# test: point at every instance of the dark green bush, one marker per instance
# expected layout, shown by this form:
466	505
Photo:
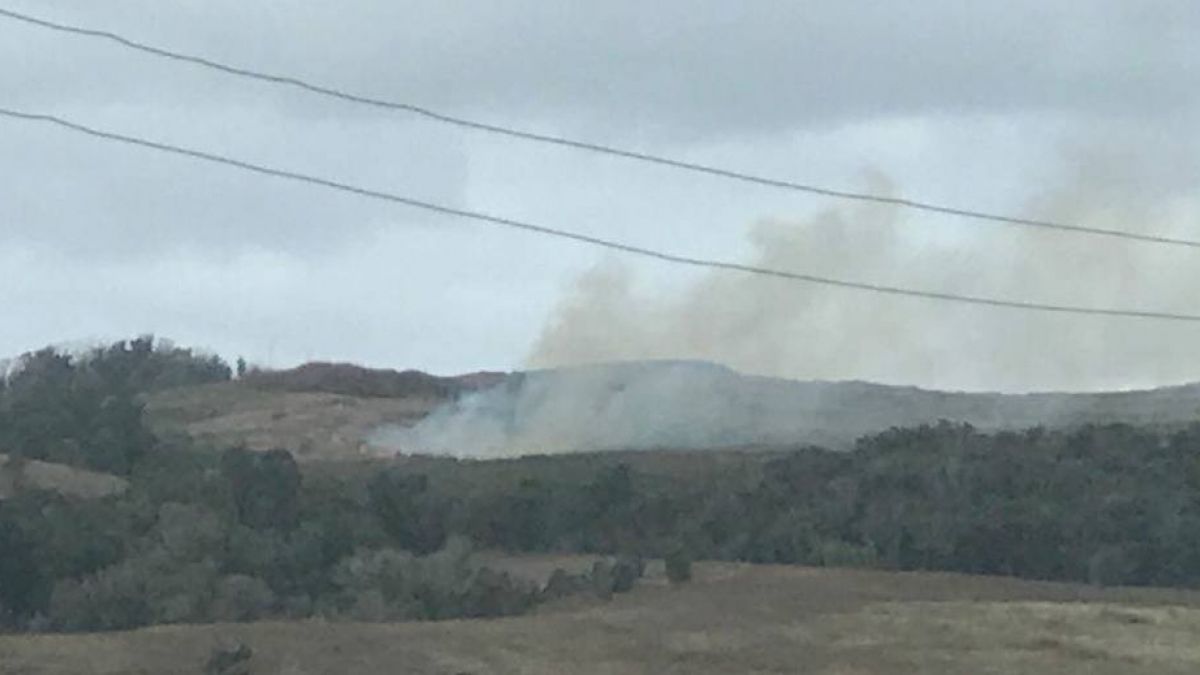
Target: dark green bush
679	565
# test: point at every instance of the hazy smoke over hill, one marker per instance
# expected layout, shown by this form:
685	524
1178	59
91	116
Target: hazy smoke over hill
670	404
681	404
803	332
775	327
591	408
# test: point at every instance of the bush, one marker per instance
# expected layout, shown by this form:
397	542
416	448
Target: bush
626	571
493	593
231	660
146	589
394	585
843	554
602	579
563	584
679	565
1110	565
241	598
188	532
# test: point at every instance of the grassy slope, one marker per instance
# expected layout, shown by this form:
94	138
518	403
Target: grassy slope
57	477
313	425
732	619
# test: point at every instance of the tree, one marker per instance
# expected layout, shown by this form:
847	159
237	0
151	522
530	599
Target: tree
626	571
679	565
522	521
406	511
265	487
75	411
188	532
23	586
610	520
602	579
241	598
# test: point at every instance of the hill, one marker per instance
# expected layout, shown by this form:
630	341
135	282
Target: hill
681	404
339	411
353	380
731	619
316	411
311	425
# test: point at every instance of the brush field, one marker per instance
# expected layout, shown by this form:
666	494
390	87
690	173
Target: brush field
731	619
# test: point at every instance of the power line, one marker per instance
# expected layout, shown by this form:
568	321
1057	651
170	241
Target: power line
614	151
583	238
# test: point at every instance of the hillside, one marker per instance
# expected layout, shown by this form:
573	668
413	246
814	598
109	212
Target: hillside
731	619
316	411
339	411
312	425
674	404
211	534
353	380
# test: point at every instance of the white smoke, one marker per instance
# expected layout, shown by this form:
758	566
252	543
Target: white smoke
694	405
668	393
785	329
586	408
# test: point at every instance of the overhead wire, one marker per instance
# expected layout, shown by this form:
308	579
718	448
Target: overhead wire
610	150
610	244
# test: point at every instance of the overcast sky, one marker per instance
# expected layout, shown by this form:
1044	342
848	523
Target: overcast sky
997	106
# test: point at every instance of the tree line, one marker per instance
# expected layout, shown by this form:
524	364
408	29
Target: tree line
84	410
203	536
241	535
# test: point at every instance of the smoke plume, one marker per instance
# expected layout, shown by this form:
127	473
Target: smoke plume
784	329
664	366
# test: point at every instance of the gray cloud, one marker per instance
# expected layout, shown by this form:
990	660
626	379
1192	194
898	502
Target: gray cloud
710	67
95	199
968	103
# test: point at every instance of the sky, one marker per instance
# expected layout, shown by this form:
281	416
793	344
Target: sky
1085	112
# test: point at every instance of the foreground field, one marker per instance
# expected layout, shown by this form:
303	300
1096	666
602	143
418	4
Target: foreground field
731	619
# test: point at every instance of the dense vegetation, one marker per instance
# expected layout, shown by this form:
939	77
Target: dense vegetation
202	535
235	535
84	410
1105	505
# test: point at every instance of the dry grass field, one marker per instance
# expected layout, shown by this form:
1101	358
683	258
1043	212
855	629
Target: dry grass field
67	480
731	619
312	425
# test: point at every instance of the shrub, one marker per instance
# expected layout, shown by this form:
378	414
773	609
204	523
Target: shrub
241	598
602	579
150	588
562	584
189	532
679	565
393	585
842	554
493	593
626	571
230	660
1110	565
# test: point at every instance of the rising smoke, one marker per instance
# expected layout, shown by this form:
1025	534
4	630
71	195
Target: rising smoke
787	330
779	328
606	407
